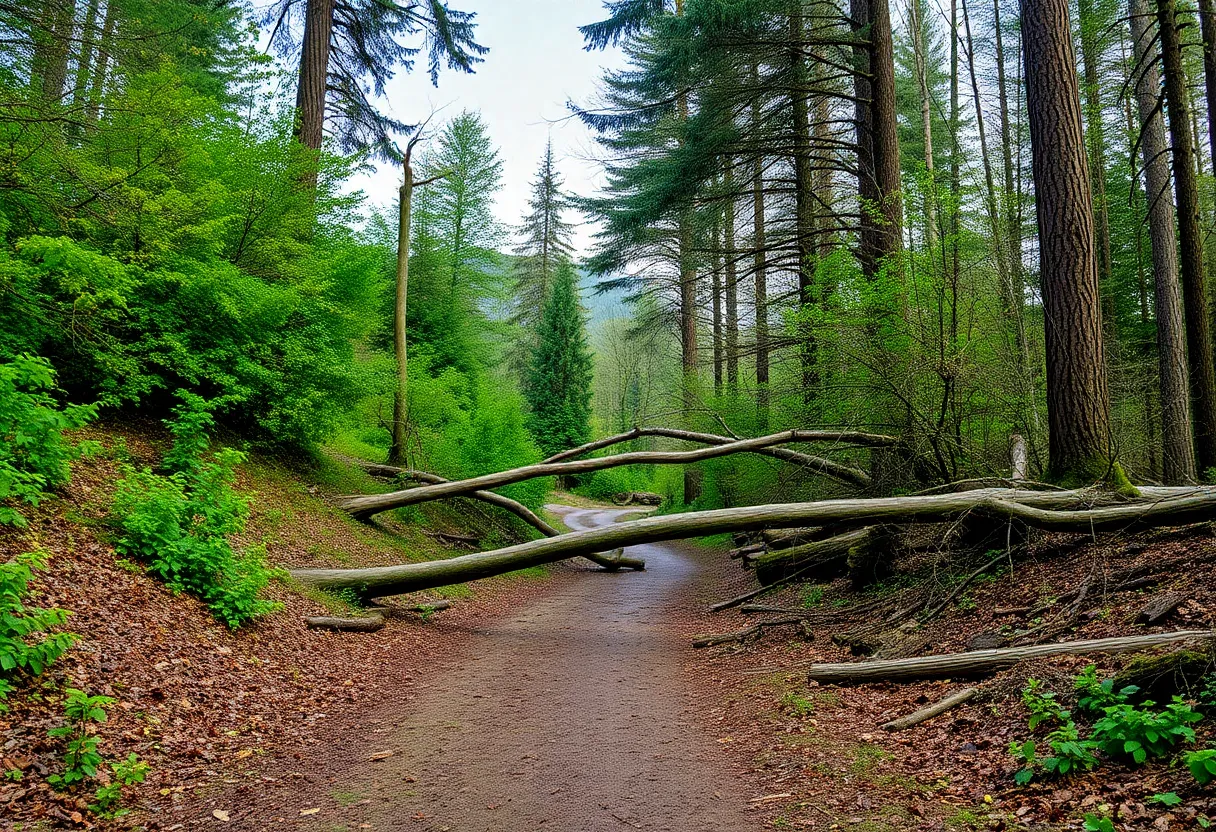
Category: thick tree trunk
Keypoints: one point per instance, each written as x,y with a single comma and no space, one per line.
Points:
51,49
980,662
1077,397
1190,239
314,73
367,505
398,449
1001,505
1178,449
84,58
97,82
863,121
886,132
818,561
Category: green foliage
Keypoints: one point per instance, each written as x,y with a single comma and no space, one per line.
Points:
1202,765
1095,823
26,643
181,524
129,772
81,759
1141,733
1165,799
34,454
1120,731
559,380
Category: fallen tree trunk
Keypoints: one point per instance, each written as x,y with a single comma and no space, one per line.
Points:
366,505
356,624
821,560
997,503
612,563
871,440
639,498
929,711
980,662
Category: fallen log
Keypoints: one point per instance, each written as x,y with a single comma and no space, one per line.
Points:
428,608
825,558
980,662
366,505
871,440
610,563
356,624
929,711
998,503
788,538
743,635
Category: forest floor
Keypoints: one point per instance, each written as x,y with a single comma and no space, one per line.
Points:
562,699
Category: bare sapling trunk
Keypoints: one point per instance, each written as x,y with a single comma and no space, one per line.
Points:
397,450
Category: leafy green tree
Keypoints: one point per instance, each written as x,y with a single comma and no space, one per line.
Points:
559,383
545,245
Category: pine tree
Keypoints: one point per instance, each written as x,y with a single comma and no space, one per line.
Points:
559,382
545,248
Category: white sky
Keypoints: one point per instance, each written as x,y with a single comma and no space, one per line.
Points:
535,65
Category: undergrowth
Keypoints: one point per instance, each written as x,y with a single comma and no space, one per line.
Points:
181,523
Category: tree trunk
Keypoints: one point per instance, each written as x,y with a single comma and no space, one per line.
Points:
1190,239
1178,450
398,450
818,561
1078,402
97,82
917,22
716,303
804,206
1096,151
732,279
367,505
760,262
998,504
84,59
980,662
314,74
51,50
867,177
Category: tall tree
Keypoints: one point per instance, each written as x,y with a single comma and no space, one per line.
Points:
559,383
350,48
1078,403
1178,450
1190,238
545,243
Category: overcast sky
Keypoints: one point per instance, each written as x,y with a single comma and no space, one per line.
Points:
535,65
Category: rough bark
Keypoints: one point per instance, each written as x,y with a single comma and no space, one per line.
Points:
1078,402
981,662
1159,607
929,711
731,278
314,73
1178,450
999,504
1096,146
1190,240
819,560
867,180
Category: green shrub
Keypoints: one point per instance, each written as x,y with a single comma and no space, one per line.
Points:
1121,731
80,759
25,643
1202,765
128,772
181,523
34,455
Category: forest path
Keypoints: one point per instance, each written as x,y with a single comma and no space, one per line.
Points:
568,715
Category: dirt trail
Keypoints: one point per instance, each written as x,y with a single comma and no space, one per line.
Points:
569,715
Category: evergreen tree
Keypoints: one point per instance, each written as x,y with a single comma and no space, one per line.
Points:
545,247
559,383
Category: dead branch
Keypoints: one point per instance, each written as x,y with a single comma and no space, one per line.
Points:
756,629
980,662
929,711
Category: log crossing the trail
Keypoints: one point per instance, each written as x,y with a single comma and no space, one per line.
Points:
1048,510
364,506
